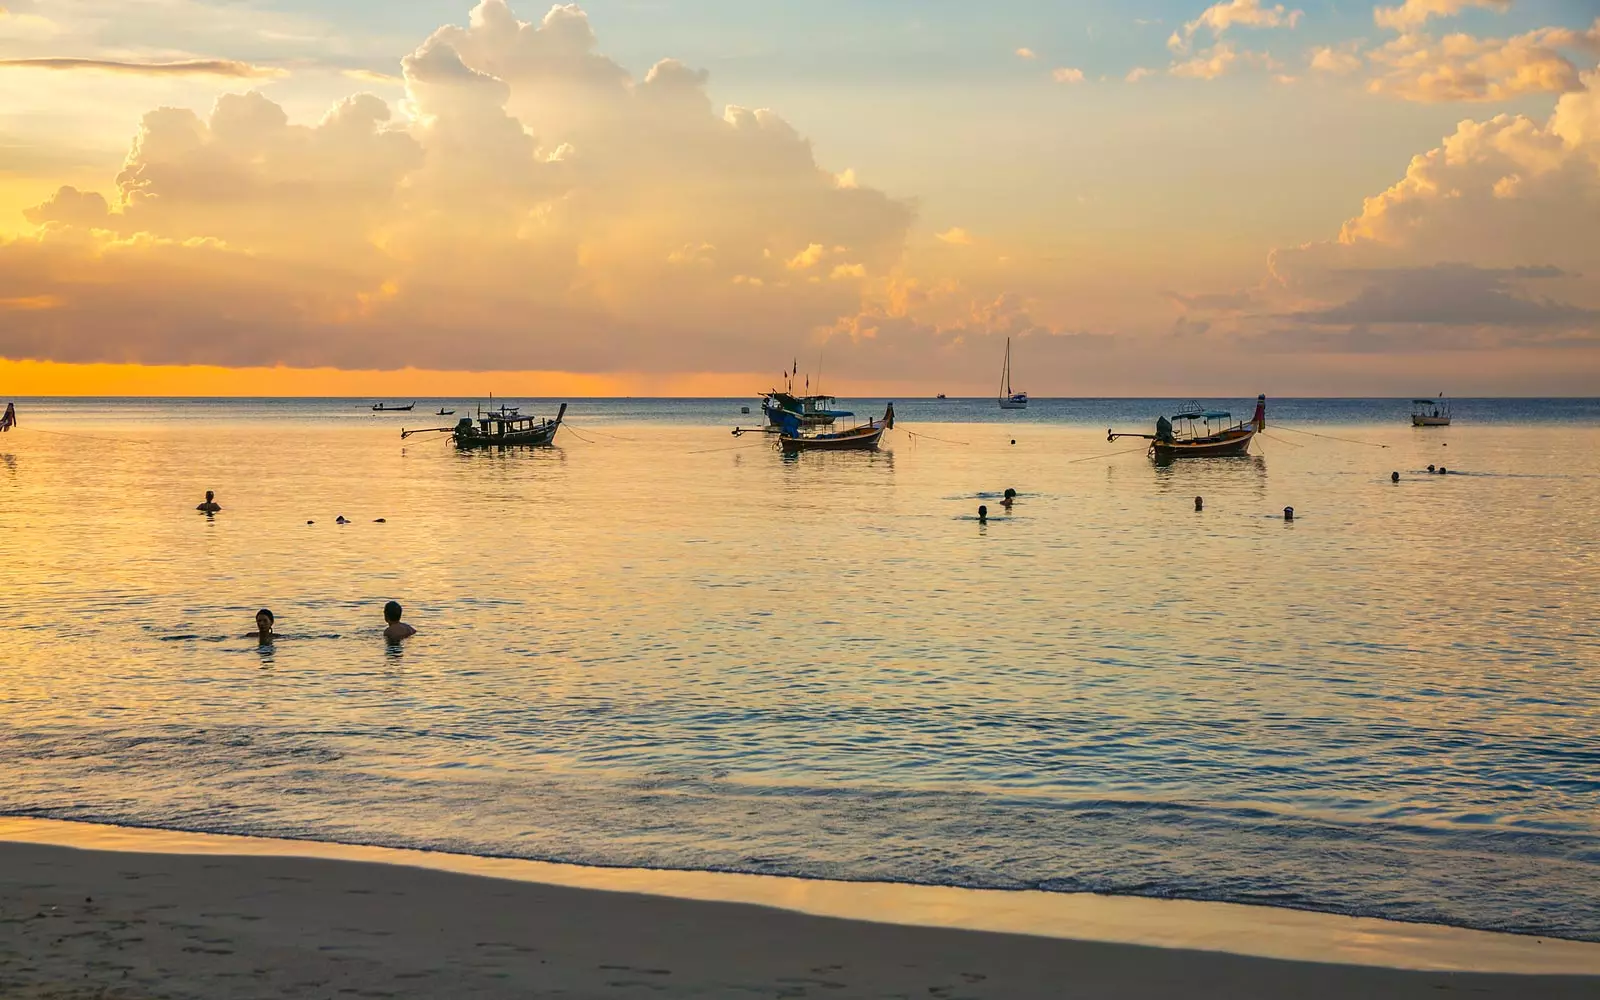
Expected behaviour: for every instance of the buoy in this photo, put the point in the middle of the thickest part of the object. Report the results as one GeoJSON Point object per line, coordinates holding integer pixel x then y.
{"type": "Point", "coordinates": [1199, 503]}
{"type": "Point", "coordinates": [1288, 513]}
{"type": "Point", "coordinates": [311, 522]}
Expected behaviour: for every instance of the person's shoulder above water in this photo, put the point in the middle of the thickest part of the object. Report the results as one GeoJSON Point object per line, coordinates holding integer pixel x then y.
{"type": "Point", "coordinates": [210, 505]}
{"type": "Point", "coordinates": [396, 629]}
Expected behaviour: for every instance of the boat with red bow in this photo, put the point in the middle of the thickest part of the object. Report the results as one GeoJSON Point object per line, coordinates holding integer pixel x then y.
{"type": "Point", "coordinates": [1200, 433]}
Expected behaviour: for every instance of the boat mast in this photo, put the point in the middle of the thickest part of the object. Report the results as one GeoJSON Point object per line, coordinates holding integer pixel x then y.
{"type": "Point", "coordinates": [1005, 372]}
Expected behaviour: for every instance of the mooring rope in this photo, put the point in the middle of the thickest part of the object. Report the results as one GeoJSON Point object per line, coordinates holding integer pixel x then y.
{"type": "Point", "coordinates": [1330, 437]}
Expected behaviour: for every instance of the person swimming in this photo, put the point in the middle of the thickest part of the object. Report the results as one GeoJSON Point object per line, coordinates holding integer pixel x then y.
{"type": "Point", "coordinates": [983, 514]}
{"type": "Point", "coordinates": [396, 629]}
{"type": "Point", "coordinates": [1394, 477]}
{"type": "Point", "coordinates": [1010, 496]}
{"type": "Point", "coordinates": [264, 623]}
{"type": "Point", "coordinates": [210, 506]}
{"type": "Point", "coordinates": [1199, 504]}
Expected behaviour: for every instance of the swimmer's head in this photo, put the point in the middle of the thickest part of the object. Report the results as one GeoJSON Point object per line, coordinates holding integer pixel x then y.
{"type": "Point", "coordinates": [1011, 494]}
{"type": "Point", "coordinates": [391, 611]}
{"type": "Point", "coordinates": [1394, 477]}
{"type": "Point", "coordinates": [210, 495]}
{"type": "Point", "coordinates": [264, 620]}
{"type": "Point", "coordinates": [983, 511]}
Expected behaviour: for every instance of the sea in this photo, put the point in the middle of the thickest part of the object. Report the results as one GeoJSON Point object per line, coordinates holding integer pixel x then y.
{"type": "Point", "coordinates": [660, 644]}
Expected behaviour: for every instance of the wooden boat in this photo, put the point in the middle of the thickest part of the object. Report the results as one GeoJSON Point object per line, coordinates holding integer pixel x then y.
{"type": "Point", "coordinates": [863, 438]}
{"type": "Point", "coordinates": [502, 428]}
{"type": "Point", "coordinates": [1199, 433]}
{"type": "Point", "coordinates": [1010, 400]}
{"type": "Point", "coordinates": [1430, 412]}
{"type": "Point", "coordinates": [10, 419]}
{"type": "Point", "coordinates": [812, 411]}
{"type": "Point", "coordinates": [446, 413]}
{"type": "Point", "coordinates": [386, 408]}
{"type": "Point", "coordinates": [940, 396]}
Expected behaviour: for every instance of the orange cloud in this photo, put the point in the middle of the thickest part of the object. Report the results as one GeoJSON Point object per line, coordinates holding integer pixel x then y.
{"type": "Point", "coordinates": [184, 67]}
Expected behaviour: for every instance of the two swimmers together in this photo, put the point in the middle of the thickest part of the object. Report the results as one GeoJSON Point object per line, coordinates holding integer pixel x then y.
{"type": "Point", "coordinates": [394, 630]}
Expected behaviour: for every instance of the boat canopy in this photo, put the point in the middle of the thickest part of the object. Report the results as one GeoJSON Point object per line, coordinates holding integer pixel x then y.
{"type": "Point", "coordinates": [1203, 415]}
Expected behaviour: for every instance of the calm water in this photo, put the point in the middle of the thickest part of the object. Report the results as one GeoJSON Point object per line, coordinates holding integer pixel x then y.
{"type": "Point", "coordinates": [658, 645]}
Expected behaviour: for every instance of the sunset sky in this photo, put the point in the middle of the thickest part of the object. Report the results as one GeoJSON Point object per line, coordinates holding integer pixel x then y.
{"type": "Point", "coordinates": [684, 196]}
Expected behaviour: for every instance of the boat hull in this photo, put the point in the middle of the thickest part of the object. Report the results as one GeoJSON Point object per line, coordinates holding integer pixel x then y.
{"type": "Point", "coordinates": [1227, 445]}
{"type": "Point", "coordinates": [1006, 404]}
{"type": "Point", "coordinates": [1421, 421]}
{"type": "Point", "coordinates": [844, 441]}
{"type": "Point", "coordinates": [531, 439]}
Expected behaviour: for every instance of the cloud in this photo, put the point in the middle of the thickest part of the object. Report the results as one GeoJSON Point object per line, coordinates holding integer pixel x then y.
{"type": "Point", "coordinates": [1209, 64]}
{"type": "Point", "coordinates": [1340, 61]}
{"type": "Point", "coordinates": [1026, 53]}
{"type": "Point", "coordinates": [1413, 13]}
{"type": "Point", "coordinates": [374, 77]}
{"type": "Point", "coordinates": [1461, 67]}
{"type": "Point", "coordinates": [1138, 73]}
{"type": "Point", "coordinates": [1487, 240]}
{"type": "Point", "coordinates": [1450, 294]}
{"type": "Point", "coordinates": [186, 67]}
{"type": "Point", "coordinates": [1222, 16]}
{"type": "Point", "coordinates": [534, 205]}
{"type": "Point", "coordinates": [955, 236]}
{"type": "Point", "coordinates": [1066, 74]}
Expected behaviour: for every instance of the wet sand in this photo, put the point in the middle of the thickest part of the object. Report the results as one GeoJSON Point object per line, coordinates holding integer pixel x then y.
{"type": "Point", "coordinates": [80, 923]}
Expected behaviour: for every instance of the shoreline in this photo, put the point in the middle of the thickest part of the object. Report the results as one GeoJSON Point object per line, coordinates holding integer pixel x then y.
{"type": "Point", "coordinates": [1237, 931]}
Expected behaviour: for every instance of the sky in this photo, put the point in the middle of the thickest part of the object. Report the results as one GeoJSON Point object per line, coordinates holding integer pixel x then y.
{"type": "Point", "coordinates": [660, 197]}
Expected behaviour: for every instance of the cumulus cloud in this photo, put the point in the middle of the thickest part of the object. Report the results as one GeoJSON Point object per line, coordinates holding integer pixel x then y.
{"type": "Point", "coordinates": [1208, 64]}
{"type": "Point", "coordinates": [1138, 73]}
{"type": "Point", "coordinates": [184, 67]}
{"type": "Point", "coordinates": [1222, 16]}
{"type": "Point", "coordinates": [1488, 239]}
{"type": "Point", "coordinates": [1414, 13]}
{"type": "Point", "coordinates": [1463, 67]}
{"type": "Point", "coordinates": [1067, 74]}
{"type": "Point", "coordinates": [533, 205]}
{"type": "Point", "coordinates": [1027, 53]}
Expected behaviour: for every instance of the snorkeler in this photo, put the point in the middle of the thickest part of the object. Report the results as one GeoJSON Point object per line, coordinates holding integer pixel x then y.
{"type": "Point", "coordinates": [396, 629]}
{"type": "Point", "coordinates": [210, 506]}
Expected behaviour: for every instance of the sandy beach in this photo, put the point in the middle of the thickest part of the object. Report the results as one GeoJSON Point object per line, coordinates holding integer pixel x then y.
{"type": "Point", "coordinates": [118, 924]}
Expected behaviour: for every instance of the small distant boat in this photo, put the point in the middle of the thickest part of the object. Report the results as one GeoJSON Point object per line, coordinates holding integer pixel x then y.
{"type": "Point", "coordinates": [386, 408]}
{"type": "Point", "coordinates": [502, 428]}
{"type": "Point", "coordinates": [10, 419]}
{"type": "Point", "coordinates": [1430, 412]}
{"type": "Point", "coordinates": [940, 396]}
{"type": "Point", "coordinates": [1200, 433]}
{"type": "Point", "coordinates": [864, 438]}
{"type": "Point", "coordinates": [446, 413]}
{"type": "Point", "coordinates": [1009, 400]}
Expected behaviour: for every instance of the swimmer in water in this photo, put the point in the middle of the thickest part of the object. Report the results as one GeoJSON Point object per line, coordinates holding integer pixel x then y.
{"type": "Point", "coordinates": [210, 506]}
{"type": "Point", "coordinates": [1199, 504]}
{"type": "Point", "coordinates": [396, 629]}
{"type": "Point", "coordinates": [1394, 477]}
{"type": "Point", "coordinates": [264, 623]}
{"type": "Point", "coordinates": [983, 514]}
{"type": "Point", "coordinates": [1010, 496]}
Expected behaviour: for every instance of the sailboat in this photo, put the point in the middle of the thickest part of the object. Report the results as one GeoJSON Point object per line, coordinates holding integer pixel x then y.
{"type": "Point", "coordinates": [1010, 400]}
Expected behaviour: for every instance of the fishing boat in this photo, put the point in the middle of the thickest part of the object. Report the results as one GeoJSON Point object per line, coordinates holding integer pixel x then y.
{"type": "Point", "coordinates": [10, 419]}
{"type": "Point", "coordinates": [812, 411]}
{"type": "Point", "coordinates": [940, 396]}
{"type": "Point", "coordinates": [1201, 433]}
{"type": "Point", "coordinates": [1010, 400]}
{"type": "Point", "coordinates": [1430, 412]}
{"type": "Point", "coordinates": [863, 438]}
{"type": "Point", "coordinates": [792, 437]}
{"type": "Point", "coordinates": [386, 408]}
{"type": "Point", "coordinates": [446, 413]}
{"type": "Point", "coordinates": [502, 428]}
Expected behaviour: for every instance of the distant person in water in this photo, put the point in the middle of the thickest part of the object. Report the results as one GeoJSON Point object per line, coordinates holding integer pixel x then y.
{"type": "Point", "coordinates": [264, 623]}
{"type": "Point", "coordinates": [1010, 496]}
{"type": "Point", "coordinates": [396, 629]}
{"type": "Point", "coordinates": [983, 513]}
{"type": "Point", "coordinates": [210, 506]}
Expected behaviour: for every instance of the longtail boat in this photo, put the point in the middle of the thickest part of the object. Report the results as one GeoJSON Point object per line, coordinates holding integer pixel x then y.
{"type": "Point", "coordinates": [1191, 434]}
{"type": "Point", "coordinates": [386, 408]}
{"type": "Point", "coordinates": [10, 419]}
{"type": "Point", "coordinates": [793, 439]}
{"type": "Point", "coordinates": [1430, 412]}
{"type": "Point", "coordinates": [812, 411]}
{"type": "Point", "coordinates": [502, 428]}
